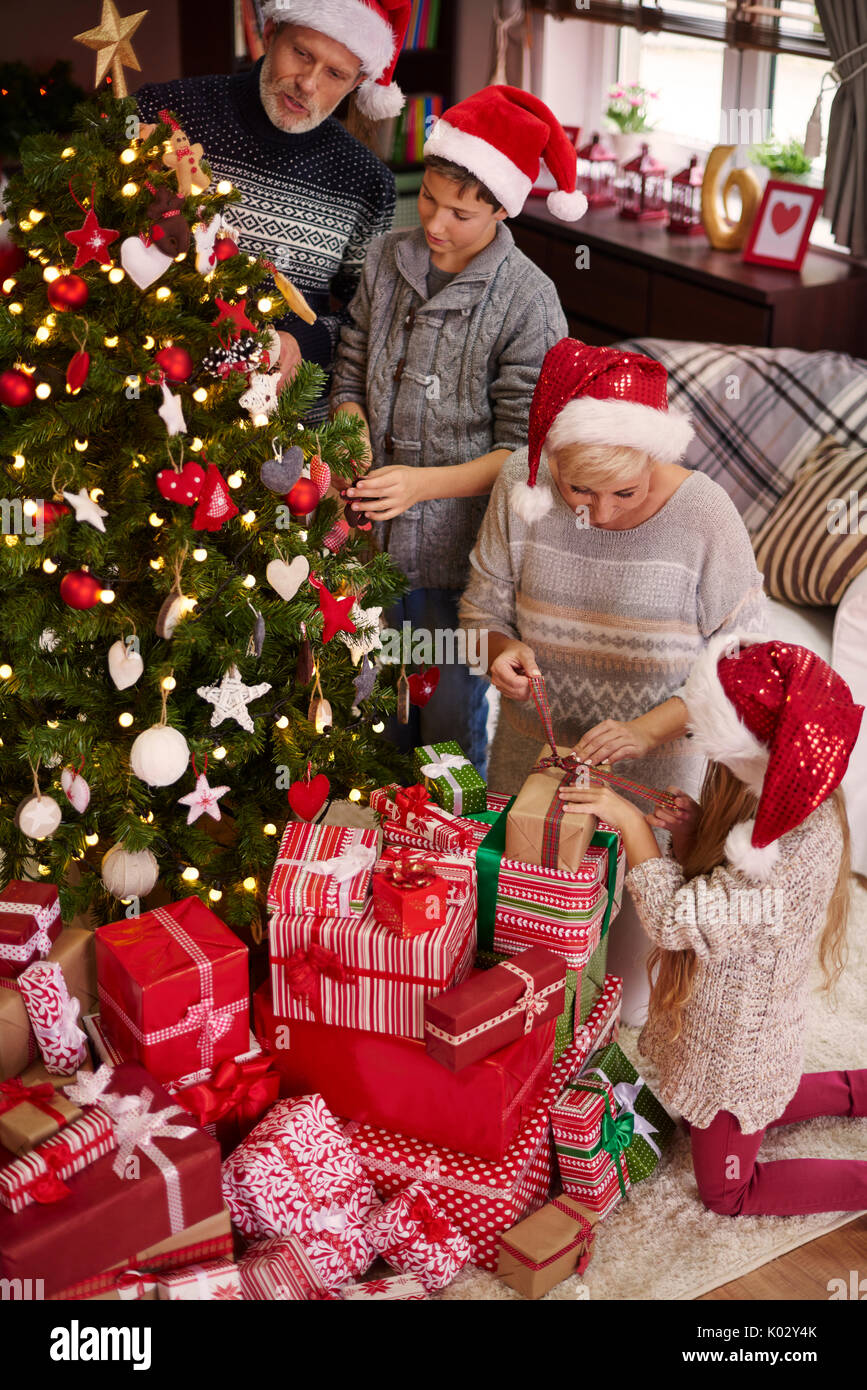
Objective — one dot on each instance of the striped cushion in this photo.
(759, 413)
(809, 549)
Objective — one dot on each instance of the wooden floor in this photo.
(803, 1274)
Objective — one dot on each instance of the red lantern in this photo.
(597, 170)
(16, 387)
(80, 590)
(641, 196)
(224, 248)
(685, 205)
(67, 292)
(304, 497)
(176, 362)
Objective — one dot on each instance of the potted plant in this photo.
(783, 160)
(627, 116)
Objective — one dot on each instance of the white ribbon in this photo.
(65, 1034)
(39, 944)
(440, 766)
(331, 1219)
(342, 868)
(625, 1096)
(88, 1086)
(137, 1127)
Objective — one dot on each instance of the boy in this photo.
(447, 335)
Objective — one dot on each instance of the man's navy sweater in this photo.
(311, 202)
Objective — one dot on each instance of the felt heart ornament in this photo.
(337, 536)
(143, 264)
(784, 216)
(320, 475)
(75, 788)
(422, 685)
(306, 798)
(281, 474)
(183, 487)
(124, 665)
(287, 579)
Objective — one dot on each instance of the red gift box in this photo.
(173, 989)
(411, 819)
(392, 1082)
(414, 1237)
(481, 1197)
(408, 896)
(233, 1099)
(30, 924)
(494, 1008)
(278, 1269)
(322, 869)
(163, 1178)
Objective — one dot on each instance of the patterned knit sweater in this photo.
(741, 1047)
(615, 618)
(312, 202)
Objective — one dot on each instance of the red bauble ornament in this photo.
(67, 292)
(176, 362)
(183, 487)
(304, 497)
(47, 513)
(12, 258)
(306, 798)
(225, 248)
(76, 372)
(422, 685)
(80, 590)
(16, 387)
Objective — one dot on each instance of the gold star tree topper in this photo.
(111, 39)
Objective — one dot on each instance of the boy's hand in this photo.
(681, 821)
(601, 802)
(510, 671)
(290, 357)
(384, 493)
(612, 740)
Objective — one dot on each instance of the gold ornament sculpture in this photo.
(111, 39)
(722, 233)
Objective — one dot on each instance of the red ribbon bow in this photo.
(408, 868)
(50, 1187)
(412, 799)
(305, 968)
(15, 1092)
(435, 1229)
(240, 1089)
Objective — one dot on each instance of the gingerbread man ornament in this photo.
(185, 159)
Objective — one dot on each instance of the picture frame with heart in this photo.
(780, 235)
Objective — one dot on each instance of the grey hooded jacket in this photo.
(444, 380)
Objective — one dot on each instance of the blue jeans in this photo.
(458, 708)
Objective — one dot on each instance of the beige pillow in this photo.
(810, 548)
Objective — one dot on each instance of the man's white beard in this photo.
(275, 109)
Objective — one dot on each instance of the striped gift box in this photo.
(589, 1142)
(212, 1281)
(558, 908)
(39, 1176)
(278, 1269)
(295, 888)
(358, 974)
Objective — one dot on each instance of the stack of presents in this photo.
(432, 1081)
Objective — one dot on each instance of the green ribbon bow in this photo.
(616, 1137)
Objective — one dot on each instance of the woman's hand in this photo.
(680, 820)
(384, 493)
(290, 357)
(612, 740)
(510, 671)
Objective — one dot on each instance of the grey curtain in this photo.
(845, 27)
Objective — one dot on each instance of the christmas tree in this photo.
(187, 618)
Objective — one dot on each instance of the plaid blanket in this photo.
(759, 412)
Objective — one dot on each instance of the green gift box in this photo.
(653, 1127)
(451, 779)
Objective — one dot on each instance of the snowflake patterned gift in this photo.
(295, 1174)
(416, 1237)
(411, 819)
(53, 1017)
(215, 1281)
(393, 1288)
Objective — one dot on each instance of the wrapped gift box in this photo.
(30, 924)
(403, 1288)
(107, 1217)
(322, 869)
(53, 1017)
(538, 830)
(415, 1237)
(391, 1081)
(494, 1008)
(173, 989)
(411, 820)
(453, 781)
(547, 1247)
(232, 1099)
(138, 1277)
(40, 1176)
(409, 895)
(33, 1108)
(73, 950)
(652, 1126)
(591, 1143)
(296, 1175)
(354, 972)
(279, 1269)
(481, 1197)
(214, 1281)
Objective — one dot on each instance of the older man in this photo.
(313, 196)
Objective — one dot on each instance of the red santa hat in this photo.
(500, 134)
(598, 395)
(783, 722)
(374, 30)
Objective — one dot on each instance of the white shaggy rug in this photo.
(662, 1243)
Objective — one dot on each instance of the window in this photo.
(687, 73)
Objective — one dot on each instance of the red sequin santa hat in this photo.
(598, 395)
(500, 134)
(783, 722)
(374, 30)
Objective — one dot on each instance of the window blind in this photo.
(774, 26)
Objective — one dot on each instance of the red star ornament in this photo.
(215, 505)
(237, 314)
(334, 610)
(91, 241)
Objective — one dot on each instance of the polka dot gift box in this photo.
(653, 1128)
(450, 777)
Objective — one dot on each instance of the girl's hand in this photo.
(612, 740)
(681, 821)
(384, 493)
(601, 801)
(510, 671)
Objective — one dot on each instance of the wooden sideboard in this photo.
(640, 281)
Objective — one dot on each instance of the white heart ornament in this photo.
(75, 788)
(143, 264)
(124, 666)
(287, 579)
